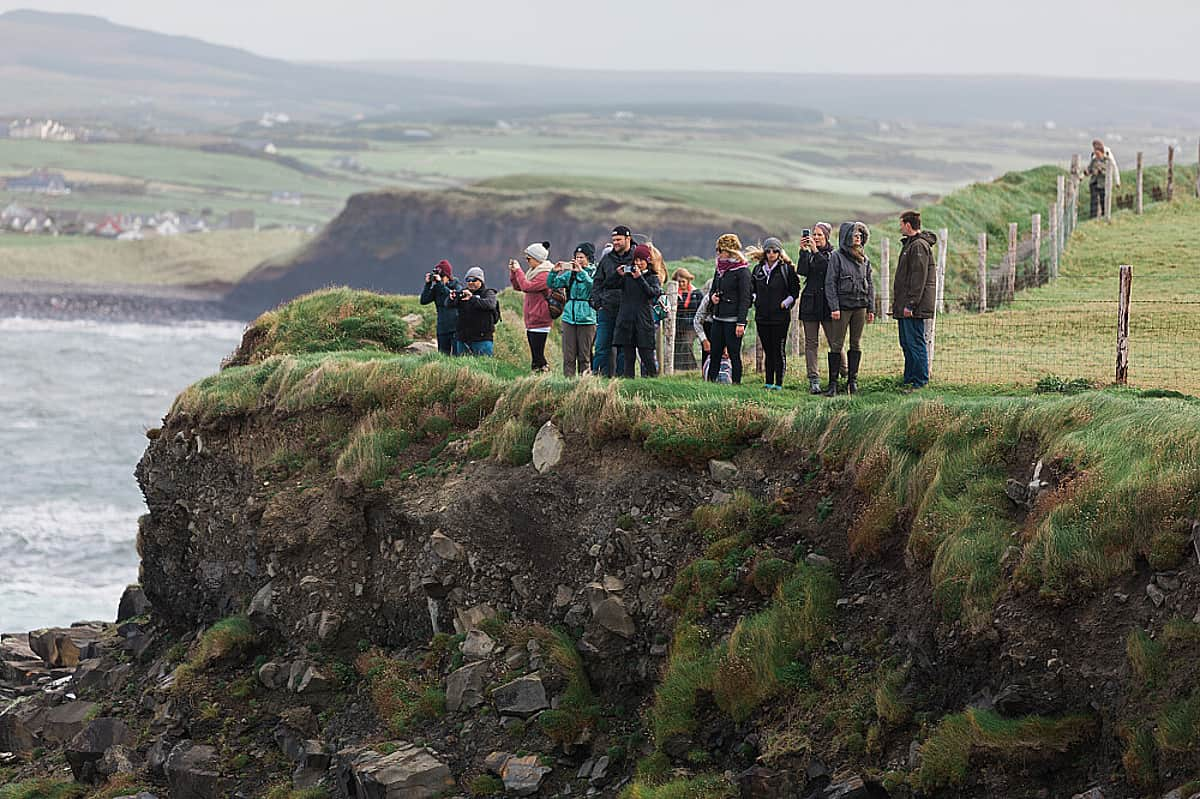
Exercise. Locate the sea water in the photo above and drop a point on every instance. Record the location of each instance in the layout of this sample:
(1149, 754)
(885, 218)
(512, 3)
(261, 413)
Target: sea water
(76, 399)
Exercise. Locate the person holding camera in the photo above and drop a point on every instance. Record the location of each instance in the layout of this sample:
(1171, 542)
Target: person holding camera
(536, 309)
(607, 290)
(438, 285)
(850, 292)
(478, 311)
(812, 262)
(635, 328)
(776, 287)
(731, 296)
(578, 316)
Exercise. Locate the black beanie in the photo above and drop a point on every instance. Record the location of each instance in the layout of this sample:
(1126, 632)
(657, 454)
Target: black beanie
(587, 249)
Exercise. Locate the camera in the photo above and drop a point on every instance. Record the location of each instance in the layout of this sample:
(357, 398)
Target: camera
(431, 276)
(806, 233)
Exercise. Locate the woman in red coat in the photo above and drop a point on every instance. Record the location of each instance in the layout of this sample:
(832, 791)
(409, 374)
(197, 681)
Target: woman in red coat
(537, 308)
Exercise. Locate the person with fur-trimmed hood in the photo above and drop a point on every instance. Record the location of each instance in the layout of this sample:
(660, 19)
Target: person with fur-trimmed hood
(850, 292)
(776, 287)
(731, 295)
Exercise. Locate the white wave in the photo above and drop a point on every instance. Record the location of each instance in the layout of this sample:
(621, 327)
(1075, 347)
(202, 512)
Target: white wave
(131, 331)
(66, 526)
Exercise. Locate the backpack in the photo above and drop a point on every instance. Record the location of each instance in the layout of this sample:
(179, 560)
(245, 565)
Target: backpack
(724, 373)
(659, 309)
(556, 299)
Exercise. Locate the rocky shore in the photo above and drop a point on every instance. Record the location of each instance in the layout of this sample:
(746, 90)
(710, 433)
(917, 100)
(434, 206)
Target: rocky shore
(110, 303)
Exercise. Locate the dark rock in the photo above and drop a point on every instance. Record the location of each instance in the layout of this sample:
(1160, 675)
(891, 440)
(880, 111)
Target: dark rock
(1156, 594)
(64, 647)
(410, 772)
(87, 748)
(495, 761)
(91, 673)
(118, 759)
(193, 771)
(1093, 793)
(523, 775)
(274, 675)
(853, 788)
(759, 782)
(133, 604)
(612, 616)
(314, 681)
(262, 612)
(66, 721)
(464, 687)
(15, 735)
(722, 471)
(477, 646)
(522, 697)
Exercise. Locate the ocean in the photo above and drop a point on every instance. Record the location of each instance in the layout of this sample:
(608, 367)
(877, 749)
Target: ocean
(76, 398)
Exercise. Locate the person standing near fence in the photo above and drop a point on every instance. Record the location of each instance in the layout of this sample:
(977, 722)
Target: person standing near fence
(1097, 170)
(685, 314)
(731, 297)
(812, 263)
(850, 292)
(578, 316)
(537, 305)
(635, 328)
(914, 294)
(776, 288)
(606, 297)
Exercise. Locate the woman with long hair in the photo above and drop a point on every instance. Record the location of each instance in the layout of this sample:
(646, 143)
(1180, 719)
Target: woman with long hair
(812, 262)
(731, 295)
(776, 288)
(850, 292)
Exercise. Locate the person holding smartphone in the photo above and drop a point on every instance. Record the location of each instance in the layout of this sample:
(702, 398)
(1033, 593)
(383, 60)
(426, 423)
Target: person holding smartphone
(811, 264)
(578, 316)
(776, 288)
(850, 292)
(731, 296)
(536, 307)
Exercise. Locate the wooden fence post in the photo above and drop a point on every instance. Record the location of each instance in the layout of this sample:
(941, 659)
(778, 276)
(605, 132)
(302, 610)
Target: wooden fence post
(760, 356)
(1075, 178)
(1170, 172)
(1140, 184)
(885, 278)
(1036, 224)
(1198, 170)
(1126, 286)
(1010, 277)
(944, 239)
(794, 330)
(1059, 206)
(983, 273)
(1052, 267)
(668, 328)
(1108, 189)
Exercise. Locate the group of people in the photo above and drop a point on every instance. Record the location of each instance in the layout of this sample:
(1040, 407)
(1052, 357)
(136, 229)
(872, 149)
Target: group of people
(610, 309)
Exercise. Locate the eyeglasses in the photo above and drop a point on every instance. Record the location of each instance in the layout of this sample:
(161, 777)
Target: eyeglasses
(772, 249)
(474, 280)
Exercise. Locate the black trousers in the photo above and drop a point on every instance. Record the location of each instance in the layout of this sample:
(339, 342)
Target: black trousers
(1098, 193)
(630, 355)
(773, 336)
(537, 349)
(724, 337)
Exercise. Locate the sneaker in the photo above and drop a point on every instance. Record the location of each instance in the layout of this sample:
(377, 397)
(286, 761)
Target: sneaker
(814, 386)
(777, 388)
(768, 387)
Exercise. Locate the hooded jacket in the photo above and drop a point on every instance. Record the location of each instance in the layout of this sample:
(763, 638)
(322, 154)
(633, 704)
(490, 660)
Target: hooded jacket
(771, 289)
(476, 316)
(609, 282)
(812, 266)
(848, 284)
(915, 284)
(439, 294)
(577, 311)
(635, 320)
(536, 308)
(736, 291)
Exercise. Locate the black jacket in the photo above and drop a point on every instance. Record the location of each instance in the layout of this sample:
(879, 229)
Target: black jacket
(848, 284)
(635, 321)
(609, 283)
(476, 316)
(439, 294)
(915, 284)
(737, 293)
(812, 266)
(769, 294)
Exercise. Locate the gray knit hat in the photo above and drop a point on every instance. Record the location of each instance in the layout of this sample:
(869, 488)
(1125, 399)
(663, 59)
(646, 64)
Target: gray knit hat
(475, 271)
(539, 251)
(772, 243)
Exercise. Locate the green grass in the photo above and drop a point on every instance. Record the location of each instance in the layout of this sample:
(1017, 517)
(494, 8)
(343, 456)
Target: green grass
(710, 787)
(226, 641)
(43, 789)
(1178, 728)
(1146, 656)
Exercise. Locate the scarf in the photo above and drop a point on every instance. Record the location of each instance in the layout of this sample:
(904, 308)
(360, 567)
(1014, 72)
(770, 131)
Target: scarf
(544, 266)
(725, 265)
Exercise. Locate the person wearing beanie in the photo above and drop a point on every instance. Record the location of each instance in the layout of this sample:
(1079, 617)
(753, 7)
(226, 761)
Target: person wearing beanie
(689, 301)
(439, 285)
(776, 287)
(536, 309)
(812, 263)
(578, 316)
(607, 291)
(850, 292)
(635, 328)
(478, 312)
(731, 296)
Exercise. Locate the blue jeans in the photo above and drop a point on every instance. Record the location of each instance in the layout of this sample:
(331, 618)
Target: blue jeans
(916, 353)
(447, 343)
(602, 354)
(484, 348)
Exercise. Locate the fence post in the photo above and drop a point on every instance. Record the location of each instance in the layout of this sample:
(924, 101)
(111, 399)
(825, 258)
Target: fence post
(1052, 267)
(1108, 189)
(1170, 172)
(668, 328)
(1060, 205)
(759, 354)
(944, 238)
(794, 330)
(885, 277)
(1140, 183)
(1198, 170)
(1010, 277)
(1075, 178)
(1036, 224)
(1126, 283)
(983, 276)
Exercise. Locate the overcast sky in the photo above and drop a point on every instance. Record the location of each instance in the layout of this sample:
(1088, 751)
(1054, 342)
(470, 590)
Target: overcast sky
(1117, 38)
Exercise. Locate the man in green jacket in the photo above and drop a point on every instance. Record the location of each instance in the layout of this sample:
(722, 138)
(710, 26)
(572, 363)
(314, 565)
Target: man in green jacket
(914, 292)
(578, 316)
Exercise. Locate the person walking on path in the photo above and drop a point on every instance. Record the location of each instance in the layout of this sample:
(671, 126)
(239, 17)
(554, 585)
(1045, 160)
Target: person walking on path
(536, 309)
(776, 288)
(439, 285)
(1097, 171)
(688, 303)
(635, 328)
(913, 295)
(731, 296)
(850, 292)
(607, 289)
(812, 263)
(578, 316)
(478, 312)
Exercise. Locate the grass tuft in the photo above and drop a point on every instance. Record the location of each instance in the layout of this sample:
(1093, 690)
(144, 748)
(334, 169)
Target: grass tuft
(692, 788)
(1145, 656)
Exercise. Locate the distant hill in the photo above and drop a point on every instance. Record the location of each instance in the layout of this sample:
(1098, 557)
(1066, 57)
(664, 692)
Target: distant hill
(84, 65)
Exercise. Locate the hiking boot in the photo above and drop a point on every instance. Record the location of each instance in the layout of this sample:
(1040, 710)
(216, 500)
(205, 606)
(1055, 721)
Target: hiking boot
(814, 385)
(835, 370)
(853, 359)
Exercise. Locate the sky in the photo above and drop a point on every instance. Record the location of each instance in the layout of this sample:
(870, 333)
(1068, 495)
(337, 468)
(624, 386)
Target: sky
(1117, 38)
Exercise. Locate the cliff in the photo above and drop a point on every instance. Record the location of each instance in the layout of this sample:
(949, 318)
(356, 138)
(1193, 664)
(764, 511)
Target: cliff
(384, 575)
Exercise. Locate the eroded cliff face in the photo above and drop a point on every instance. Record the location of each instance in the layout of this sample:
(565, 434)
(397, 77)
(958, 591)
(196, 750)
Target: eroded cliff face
(387, 241)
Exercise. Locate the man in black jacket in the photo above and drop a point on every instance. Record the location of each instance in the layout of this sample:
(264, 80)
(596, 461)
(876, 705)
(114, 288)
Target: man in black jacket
(478, 312)
(914, 291)
(607, 286)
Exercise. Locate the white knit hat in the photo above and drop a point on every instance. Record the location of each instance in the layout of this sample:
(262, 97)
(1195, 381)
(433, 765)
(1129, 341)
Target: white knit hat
(539, 252)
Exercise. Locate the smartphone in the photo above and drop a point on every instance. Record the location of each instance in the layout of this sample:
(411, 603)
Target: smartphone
(806, 233)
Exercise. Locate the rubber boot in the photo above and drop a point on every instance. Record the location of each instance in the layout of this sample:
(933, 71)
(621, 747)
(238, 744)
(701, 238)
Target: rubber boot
(853, 359)
(814, 386)
(835, 370)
